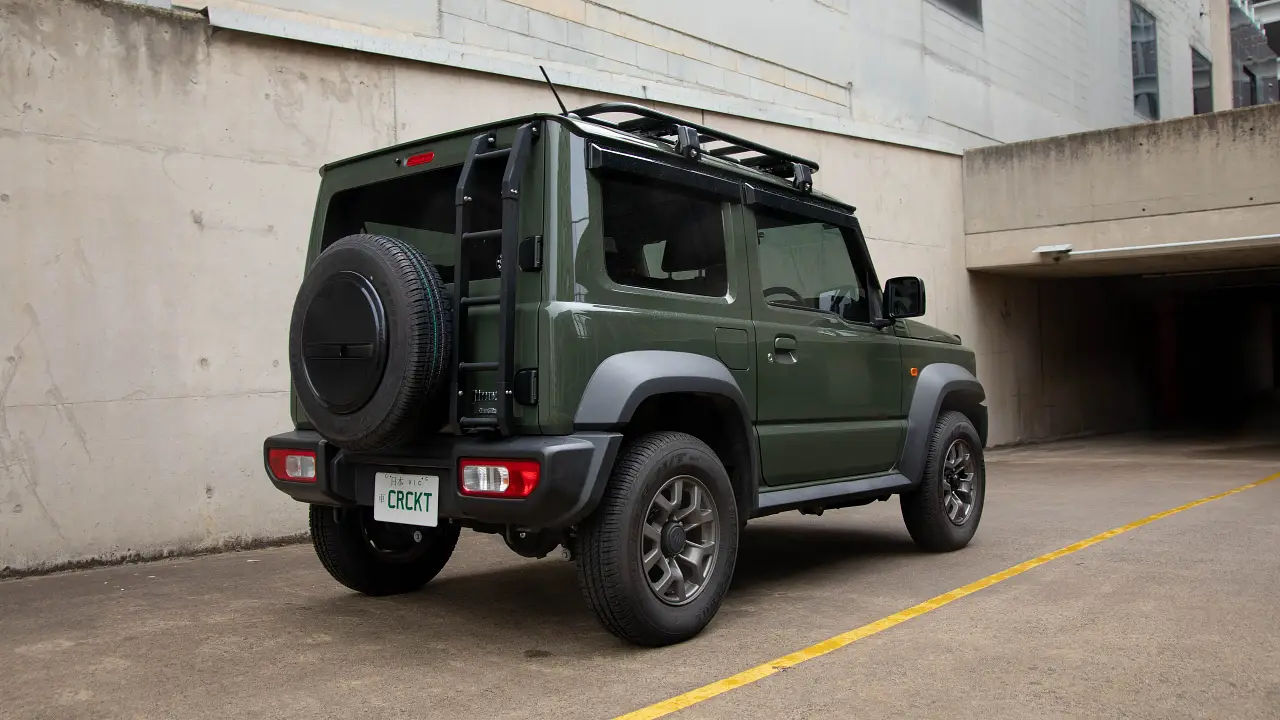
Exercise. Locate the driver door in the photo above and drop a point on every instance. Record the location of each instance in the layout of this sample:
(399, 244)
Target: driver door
(829, 385)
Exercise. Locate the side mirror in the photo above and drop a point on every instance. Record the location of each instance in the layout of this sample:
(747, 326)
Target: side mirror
(903, 298)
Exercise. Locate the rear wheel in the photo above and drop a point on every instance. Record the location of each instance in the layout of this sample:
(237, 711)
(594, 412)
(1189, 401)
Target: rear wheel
(942, 514)
(656, 557)
(379, 558)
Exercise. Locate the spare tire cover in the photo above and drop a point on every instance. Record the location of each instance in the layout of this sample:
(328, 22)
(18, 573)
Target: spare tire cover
(370, 343)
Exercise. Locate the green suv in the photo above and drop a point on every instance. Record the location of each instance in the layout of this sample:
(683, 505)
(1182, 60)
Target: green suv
(615, 331)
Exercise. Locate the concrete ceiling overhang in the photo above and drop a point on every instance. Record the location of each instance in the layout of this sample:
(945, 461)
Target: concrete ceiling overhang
(1181, 257)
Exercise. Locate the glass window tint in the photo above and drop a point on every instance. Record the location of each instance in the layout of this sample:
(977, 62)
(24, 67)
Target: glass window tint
(1201, 83)
(1246, 87)
(1146, 77)
(662, 237)
(419, 209)
(804, 263)
(971, 9)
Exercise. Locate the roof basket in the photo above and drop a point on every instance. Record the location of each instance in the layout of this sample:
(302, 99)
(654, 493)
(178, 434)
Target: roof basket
(693, 141)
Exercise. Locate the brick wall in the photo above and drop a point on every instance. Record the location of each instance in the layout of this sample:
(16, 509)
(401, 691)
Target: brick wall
(906, 71)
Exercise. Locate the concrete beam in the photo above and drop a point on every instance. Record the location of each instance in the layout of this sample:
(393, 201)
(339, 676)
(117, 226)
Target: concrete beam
(1267, 12)
(1152, 190)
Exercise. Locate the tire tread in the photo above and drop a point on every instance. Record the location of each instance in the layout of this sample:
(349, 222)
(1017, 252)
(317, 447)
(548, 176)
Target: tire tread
(340, 547)
(602, 560)
(922, 511)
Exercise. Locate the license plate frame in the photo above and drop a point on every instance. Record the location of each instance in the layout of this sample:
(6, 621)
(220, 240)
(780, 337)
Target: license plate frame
(406, 499)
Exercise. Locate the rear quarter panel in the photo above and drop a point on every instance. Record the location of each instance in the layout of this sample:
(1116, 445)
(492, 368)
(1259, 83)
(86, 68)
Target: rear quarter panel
(587, 317)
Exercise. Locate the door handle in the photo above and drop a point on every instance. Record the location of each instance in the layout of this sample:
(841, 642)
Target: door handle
(784, 344)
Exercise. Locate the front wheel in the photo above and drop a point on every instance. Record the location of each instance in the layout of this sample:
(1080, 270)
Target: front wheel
(657, 555)
(379, 558)
(942, 514)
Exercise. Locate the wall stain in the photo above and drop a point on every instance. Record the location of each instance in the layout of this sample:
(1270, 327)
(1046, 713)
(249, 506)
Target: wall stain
(54, 394)
(82, 261)
(17, 453)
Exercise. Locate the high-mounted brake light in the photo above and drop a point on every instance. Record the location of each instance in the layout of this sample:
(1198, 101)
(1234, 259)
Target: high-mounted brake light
(497, 478)
(292, 465)
(420, 159)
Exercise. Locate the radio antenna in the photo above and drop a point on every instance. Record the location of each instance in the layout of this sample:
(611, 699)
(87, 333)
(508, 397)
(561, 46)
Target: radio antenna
(563, 110)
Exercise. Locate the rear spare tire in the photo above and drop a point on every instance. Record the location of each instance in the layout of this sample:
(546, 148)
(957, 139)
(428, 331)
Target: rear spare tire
(370, 342)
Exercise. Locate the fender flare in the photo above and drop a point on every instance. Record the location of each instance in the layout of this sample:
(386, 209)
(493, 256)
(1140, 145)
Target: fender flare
(623, 381)
(937, 382)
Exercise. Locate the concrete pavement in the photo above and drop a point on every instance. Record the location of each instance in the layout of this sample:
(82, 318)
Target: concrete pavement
(1177, 618)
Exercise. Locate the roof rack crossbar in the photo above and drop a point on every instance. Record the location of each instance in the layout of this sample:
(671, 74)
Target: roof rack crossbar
(652, 123)
(729, 150)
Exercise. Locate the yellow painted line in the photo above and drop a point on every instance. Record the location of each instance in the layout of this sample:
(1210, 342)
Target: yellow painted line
(760, 672)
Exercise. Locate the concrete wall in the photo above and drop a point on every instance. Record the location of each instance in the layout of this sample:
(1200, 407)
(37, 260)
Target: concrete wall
(909, 71)
(157, 180)
(1058, 357)
(1200, 178)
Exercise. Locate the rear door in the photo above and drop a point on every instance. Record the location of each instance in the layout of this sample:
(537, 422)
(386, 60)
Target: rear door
(416, 202)
(829, 383)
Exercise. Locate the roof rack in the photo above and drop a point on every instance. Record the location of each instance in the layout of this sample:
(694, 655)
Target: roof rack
(693, 141)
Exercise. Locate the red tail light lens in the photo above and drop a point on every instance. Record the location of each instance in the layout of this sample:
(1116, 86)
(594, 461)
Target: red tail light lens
(422, 159)
(497, 478)
(292, 465)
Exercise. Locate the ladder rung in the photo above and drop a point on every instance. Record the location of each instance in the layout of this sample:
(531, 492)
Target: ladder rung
(481, 300)
(477, 422)
(469, 366)
(482, 234)
(493, 154)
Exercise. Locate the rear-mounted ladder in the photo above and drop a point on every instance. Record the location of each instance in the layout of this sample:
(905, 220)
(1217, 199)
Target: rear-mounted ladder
(484, 149)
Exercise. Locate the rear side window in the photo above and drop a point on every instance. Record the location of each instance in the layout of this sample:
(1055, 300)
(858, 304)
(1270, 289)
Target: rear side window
(419, 209)
(663, 238)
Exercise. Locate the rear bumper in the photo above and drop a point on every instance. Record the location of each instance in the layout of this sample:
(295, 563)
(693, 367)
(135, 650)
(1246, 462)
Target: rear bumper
(575, 469)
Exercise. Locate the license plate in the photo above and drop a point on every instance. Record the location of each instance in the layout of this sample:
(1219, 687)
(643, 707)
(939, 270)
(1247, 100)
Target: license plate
(406, 499)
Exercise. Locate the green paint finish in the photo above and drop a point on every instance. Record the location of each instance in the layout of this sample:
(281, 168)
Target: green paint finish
(828, 396)
(922, 346)
(829, 390)
(733, 347)
(589, 317)
(920, 331)
(427, 222)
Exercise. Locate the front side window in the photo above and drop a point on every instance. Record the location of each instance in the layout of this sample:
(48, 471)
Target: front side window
(809, 264)
(1146, 77)
(662, 237)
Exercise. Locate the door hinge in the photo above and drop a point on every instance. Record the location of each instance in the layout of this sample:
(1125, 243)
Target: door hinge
(531, 254)
(526, 390)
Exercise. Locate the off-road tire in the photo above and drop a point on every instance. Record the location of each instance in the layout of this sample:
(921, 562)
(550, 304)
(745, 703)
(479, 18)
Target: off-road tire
(403, 388)
(608, 543)
(923, 510)
(344, 550)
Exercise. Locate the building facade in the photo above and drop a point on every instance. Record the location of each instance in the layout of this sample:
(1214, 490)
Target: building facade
(158, 173)
(941, 74)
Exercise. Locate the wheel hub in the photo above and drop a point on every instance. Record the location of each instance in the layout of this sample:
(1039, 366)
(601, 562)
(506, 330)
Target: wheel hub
(959, 473)
(679, 540)
(673, 539)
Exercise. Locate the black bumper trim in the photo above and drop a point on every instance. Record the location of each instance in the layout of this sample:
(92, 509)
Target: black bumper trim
(575, 469)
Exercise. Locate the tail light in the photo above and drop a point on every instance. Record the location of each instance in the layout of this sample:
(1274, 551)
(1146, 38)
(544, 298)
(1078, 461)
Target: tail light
(497, 478)
(292, 465)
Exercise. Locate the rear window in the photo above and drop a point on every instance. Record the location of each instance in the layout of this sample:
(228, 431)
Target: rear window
(419, 209)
